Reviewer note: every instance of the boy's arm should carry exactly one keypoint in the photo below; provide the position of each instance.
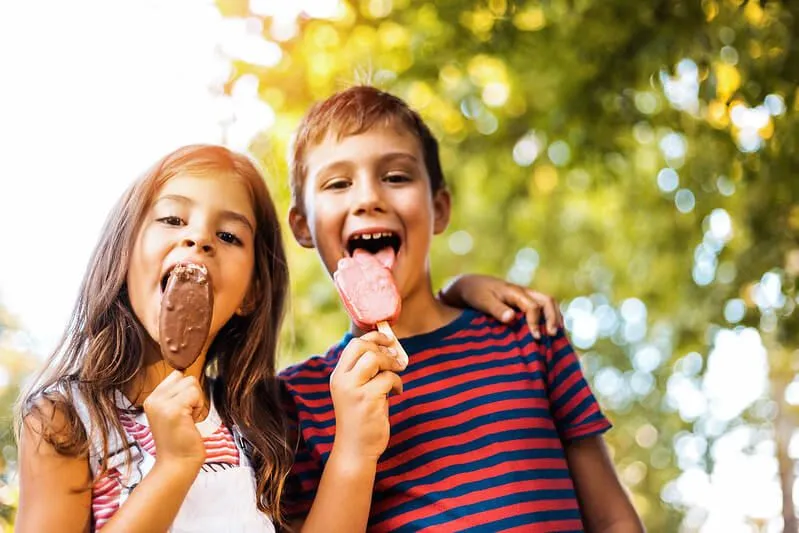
(604, 503)
(344, 496)
(500, 299)
(360, 385)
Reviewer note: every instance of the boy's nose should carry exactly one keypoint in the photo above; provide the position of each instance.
(368, 199)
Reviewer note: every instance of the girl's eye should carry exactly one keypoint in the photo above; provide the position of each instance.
(172, 221)
(337, 183)
(229, 237)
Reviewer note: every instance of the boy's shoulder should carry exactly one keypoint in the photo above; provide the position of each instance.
(315, 366)
(471, 330)
(474, 323)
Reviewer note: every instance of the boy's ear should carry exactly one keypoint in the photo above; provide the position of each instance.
(299, 227)
(442, 205)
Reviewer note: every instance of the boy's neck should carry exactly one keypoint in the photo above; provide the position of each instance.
(421, 313)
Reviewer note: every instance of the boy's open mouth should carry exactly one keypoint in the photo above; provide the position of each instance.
(384, 245)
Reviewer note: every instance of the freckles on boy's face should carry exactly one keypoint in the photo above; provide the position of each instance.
(371, 191)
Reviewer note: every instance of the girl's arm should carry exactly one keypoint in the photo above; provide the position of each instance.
(172, 409)
(54, 489)
(501, 300)
(604, 503)
(156, 501)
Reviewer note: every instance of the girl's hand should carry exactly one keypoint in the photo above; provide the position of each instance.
(500, 299)
(360, 385)
(172, 409)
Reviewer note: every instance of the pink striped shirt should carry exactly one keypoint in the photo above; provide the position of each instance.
(220, 452)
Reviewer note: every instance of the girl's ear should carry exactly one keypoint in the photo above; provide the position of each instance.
(249, 303)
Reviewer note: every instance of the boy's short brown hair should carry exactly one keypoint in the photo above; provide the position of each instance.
(351, 112)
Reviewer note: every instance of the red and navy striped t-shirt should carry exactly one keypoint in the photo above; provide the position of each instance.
(476, 436)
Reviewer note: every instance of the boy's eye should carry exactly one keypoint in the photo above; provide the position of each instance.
(229, 237)
(397, 177)
(172, 221)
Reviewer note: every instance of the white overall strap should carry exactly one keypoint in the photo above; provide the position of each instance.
(116, 447)
(243, 445)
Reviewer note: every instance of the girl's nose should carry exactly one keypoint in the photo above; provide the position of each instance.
(202, 244)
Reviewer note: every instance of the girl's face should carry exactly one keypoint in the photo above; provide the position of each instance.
(207, 220)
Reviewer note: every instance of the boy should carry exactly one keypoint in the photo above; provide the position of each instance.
(493, 430)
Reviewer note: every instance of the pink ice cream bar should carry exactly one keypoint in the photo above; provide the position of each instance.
(369, 293)
(367, 290)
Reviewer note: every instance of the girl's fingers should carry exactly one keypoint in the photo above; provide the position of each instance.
(552, 315)
(521, 299)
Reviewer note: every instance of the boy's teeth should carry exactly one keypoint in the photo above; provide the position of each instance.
(367, 236)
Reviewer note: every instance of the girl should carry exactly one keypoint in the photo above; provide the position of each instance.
(110, 436)
(107, 410)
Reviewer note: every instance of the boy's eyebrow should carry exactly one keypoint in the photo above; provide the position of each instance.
(399, 155)
(225, 214)
(384, 158)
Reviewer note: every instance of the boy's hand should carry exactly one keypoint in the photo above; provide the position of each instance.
(360, 385)
(172, 410)
(501, 299)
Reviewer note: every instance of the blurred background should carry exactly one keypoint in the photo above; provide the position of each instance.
(636, 160)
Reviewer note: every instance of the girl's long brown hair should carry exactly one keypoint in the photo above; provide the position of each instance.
(102, 349)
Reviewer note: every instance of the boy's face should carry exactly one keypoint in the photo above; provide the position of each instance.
(371, 191)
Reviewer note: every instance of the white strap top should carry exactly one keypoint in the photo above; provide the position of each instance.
(222, 498)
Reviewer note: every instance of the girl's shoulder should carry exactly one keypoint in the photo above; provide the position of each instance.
(54, 415)
(76, 424)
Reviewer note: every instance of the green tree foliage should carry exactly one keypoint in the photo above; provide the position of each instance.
(634, 159)
(15, 364)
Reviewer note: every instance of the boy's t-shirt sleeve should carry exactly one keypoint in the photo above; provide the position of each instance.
(574, 408)
(303, 479)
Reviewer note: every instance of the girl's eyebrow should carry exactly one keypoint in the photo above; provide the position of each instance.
(175, 197)
(224, 214)
(237, 217)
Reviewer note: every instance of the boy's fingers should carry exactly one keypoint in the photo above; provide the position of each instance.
(378, 338)
(371, 364)
(383, 384)
(552, 315)
(373, 341)
(353, 352)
